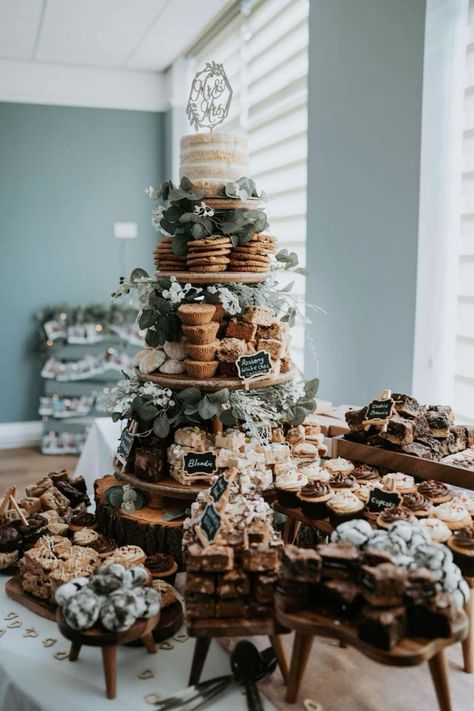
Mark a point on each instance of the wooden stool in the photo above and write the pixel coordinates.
(108, 641)
(468, 643)
(408, 652)
(206, 630)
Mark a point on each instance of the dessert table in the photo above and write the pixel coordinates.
(32, 679)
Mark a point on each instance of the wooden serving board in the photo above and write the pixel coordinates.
(42, 608)
(234, 627)
(215, 278)
(226, 203)
(171, 620)
(398, 462)
(179, 382)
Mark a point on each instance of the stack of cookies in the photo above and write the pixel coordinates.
(253, 256)
(164, 258)
(208, 255)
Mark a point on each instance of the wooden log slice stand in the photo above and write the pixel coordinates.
(408, 652)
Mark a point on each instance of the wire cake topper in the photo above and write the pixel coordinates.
(210, 97)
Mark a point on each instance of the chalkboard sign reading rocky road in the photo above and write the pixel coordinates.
(379, 411)
(200, 463)
(254, 366)
(218, 488)
(380, 500)
(210, 522)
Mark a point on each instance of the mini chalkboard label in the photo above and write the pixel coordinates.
(200, 463)
(379, 410)
(379, 500)
(210, 522)
(254, 365)
(125, 446)
(218, 488)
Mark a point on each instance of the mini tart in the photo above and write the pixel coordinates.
(82, 520)
(461, 544)
(339, 464)
(363, 473)
(313, 498)
(204, 352)
(162, 567)
(196, 314)
(453, 515)
(437, 529)
(435, 491)
(344, 506)
(418, 504)
(339, 480)
(401, 483)
(201, 369)
(391, 514)
(201, 335)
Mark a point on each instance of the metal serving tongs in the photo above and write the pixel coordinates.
(198, 696)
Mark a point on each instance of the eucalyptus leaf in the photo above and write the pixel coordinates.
(189, 395)
(147, 411)
(139, 274)
(207, 409)
(161, 425)
(147, 318)
(180, 245)
(220, 397)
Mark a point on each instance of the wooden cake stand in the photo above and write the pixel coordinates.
(408, 652)
(215, 278)
(108, 642)
(180, 382)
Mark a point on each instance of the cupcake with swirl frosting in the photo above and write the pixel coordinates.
(461, 544)
(344, 506)
(288, 486)
(417, 504)
(435, 491)
(339, 480)
(364, 473)
(391, 514)
(313, 498)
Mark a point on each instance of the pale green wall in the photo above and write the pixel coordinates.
(365, 98)
(66, 175)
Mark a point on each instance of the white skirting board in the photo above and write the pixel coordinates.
(20, 434)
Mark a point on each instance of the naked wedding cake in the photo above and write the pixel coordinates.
(210, 160)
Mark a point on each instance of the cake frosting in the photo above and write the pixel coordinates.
(210, 160)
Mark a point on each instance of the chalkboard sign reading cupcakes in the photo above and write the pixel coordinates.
(200, 463)
(210, 522)
(379, 411)
(218, 488)
(254, 365)
(379, 500)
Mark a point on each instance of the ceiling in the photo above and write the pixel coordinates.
(137, 35)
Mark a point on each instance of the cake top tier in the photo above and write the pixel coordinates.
(210, 160)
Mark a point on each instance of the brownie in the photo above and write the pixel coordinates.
(469, 435)
(303, 564)
(201, 584)
(438, 423)
(382, 627)
(257, 609)
(419, 586)
(79, 483)
(445, 410)
(433, 445)
(213, 559)
(432, 618)
(73, 495)
(230, 608)
(149, 465)
(407, 406)
(10, 539)
(200, 607)
(294, 596)
(235, 583)
(382, 585)
(83, 519)
(355, 419)
(460, 438)
(263, 588)
(339, 560)
(260, 558)
(372, 556)
(416, 449)
(399, 431)
(341, 598)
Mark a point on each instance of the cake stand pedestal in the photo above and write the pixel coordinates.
(294, 519)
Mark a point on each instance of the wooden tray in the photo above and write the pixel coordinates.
(406, 463)
(215, 278)
(234, 627)
(39, 607)
(170, 622)
(180, 382)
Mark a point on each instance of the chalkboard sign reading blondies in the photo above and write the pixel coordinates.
(379, 411)
(254, 365)
(210, 522)
(218, 488)
(379, 500)
(200, 463)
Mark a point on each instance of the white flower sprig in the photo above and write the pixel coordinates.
(229, 301)
(203, 210)
(176, 293)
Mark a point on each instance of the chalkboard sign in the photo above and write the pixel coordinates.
(125, 446)
(200, 463)
(379, 411)
(379, 500)
(210, 522)
(254, 365)
(218, 488)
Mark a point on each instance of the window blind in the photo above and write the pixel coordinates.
(464, 349)
(264, 49)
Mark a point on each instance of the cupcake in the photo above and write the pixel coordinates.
(437, 529)
(288, 486)
(363, 473)
(453, 515)
(418, 504)
(201, 369)
(435, 491)
(364, 490)
(83, 519)
(84, 536)
(201, 335)
(467, 501)
(391, 514)
(103, 546)
(344, 506)
(339, 464)
(162, 567)
(401, 483)
(196, 314)
(342, 481)
(128, 556)
(204, 352)
(313, 498)
(313, 472)
(461, 544)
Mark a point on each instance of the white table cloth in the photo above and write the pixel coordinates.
(96, 457)
(32, 680)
